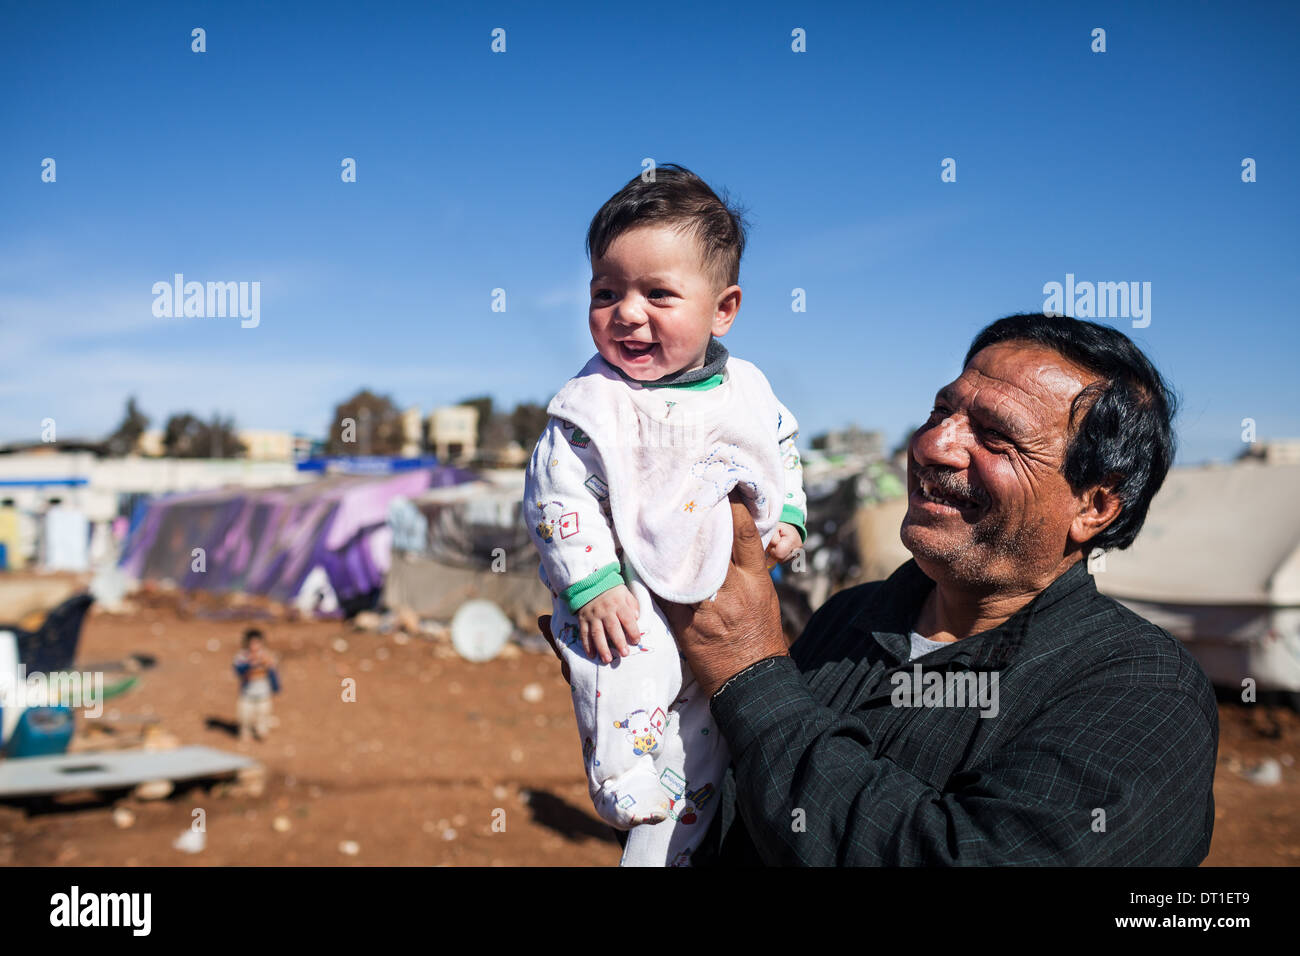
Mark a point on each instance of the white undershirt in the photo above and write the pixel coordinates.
(923, 645)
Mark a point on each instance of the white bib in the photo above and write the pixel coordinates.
(671, 456)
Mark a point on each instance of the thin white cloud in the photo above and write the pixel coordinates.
(859, 243)
(571, 295)
(39, 323)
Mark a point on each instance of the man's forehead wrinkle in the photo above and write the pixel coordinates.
(1044, 382)
(992, 396)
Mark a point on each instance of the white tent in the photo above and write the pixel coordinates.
(462, 543)
(1217, 564)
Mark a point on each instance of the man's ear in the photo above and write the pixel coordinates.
(1098, 507)
(725, 311)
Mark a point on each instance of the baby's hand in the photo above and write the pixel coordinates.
(785, 542)
(610, 616)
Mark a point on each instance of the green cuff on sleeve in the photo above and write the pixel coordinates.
(792, 515)
(593, 585)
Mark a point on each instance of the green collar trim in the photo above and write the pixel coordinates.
(713, 381)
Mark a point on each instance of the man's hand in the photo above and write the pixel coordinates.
(742, 625)
(544, 625)
(609, 617)
(785, 542)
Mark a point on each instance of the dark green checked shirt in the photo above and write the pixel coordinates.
(1102, 751)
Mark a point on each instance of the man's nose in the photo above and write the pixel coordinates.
(947, 443)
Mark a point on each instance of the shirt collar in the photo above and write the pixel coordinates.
(892, 612)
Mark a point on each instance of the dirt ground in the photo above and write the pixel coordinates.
(438, 761)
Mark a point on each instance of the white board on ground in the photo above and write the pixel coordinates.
(479, 630)
(29, 776)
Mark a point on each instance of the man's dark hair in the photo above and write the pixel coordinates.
(676, 197)
(1126, 435)
(252, 634)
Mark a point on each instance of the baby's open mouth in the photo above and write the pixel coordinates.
(637, 351)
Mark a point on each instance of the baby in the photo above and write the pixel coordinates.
(626, 499)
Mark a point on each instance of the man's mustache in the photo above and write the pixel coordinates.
(949, 484)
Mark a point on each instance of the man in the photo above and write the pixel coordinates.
(1088, 736)
(1092, 735)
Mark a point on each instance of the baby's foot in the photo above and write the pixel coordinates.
(633, 799)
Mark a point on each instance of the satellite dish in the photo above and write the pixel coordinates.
(479, 630)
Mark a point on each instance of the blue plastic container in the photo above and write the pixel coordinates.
(41, 732)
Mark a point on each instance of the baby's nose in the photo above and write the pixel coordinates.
(630, 314)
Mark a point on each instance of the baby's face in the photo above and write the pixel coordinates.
(653, 305)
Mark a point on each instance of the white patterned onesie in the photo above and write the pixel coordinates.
(628, 485)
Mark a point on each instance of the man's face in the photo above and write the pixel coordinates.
(653, 305)
(988, 506)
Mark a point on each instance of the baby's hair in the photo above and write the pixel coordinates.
(252, 634)
(676, 197)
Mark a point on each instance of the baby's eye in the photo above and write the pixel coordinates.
(660, 294)
(602, 294)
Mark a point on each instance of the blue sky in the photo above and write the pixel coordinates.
(478, 170)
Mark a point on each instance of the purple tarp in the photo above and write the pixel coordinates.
(266, 540)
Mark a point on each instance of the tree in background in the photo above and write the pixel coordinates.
(527, 422)
(188, 436)
(366, 424)
(123, 441)
(524, 424)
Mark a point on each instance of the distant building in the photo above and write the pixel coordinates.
(853, 441)
(265, 445)
(150, 444)
(304, 447)
(511, 455)
(1284, 451)
(412, 433)
(453, 432)
(260, 444)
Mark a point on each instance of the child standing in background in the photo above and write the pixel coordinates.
(258, 680)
